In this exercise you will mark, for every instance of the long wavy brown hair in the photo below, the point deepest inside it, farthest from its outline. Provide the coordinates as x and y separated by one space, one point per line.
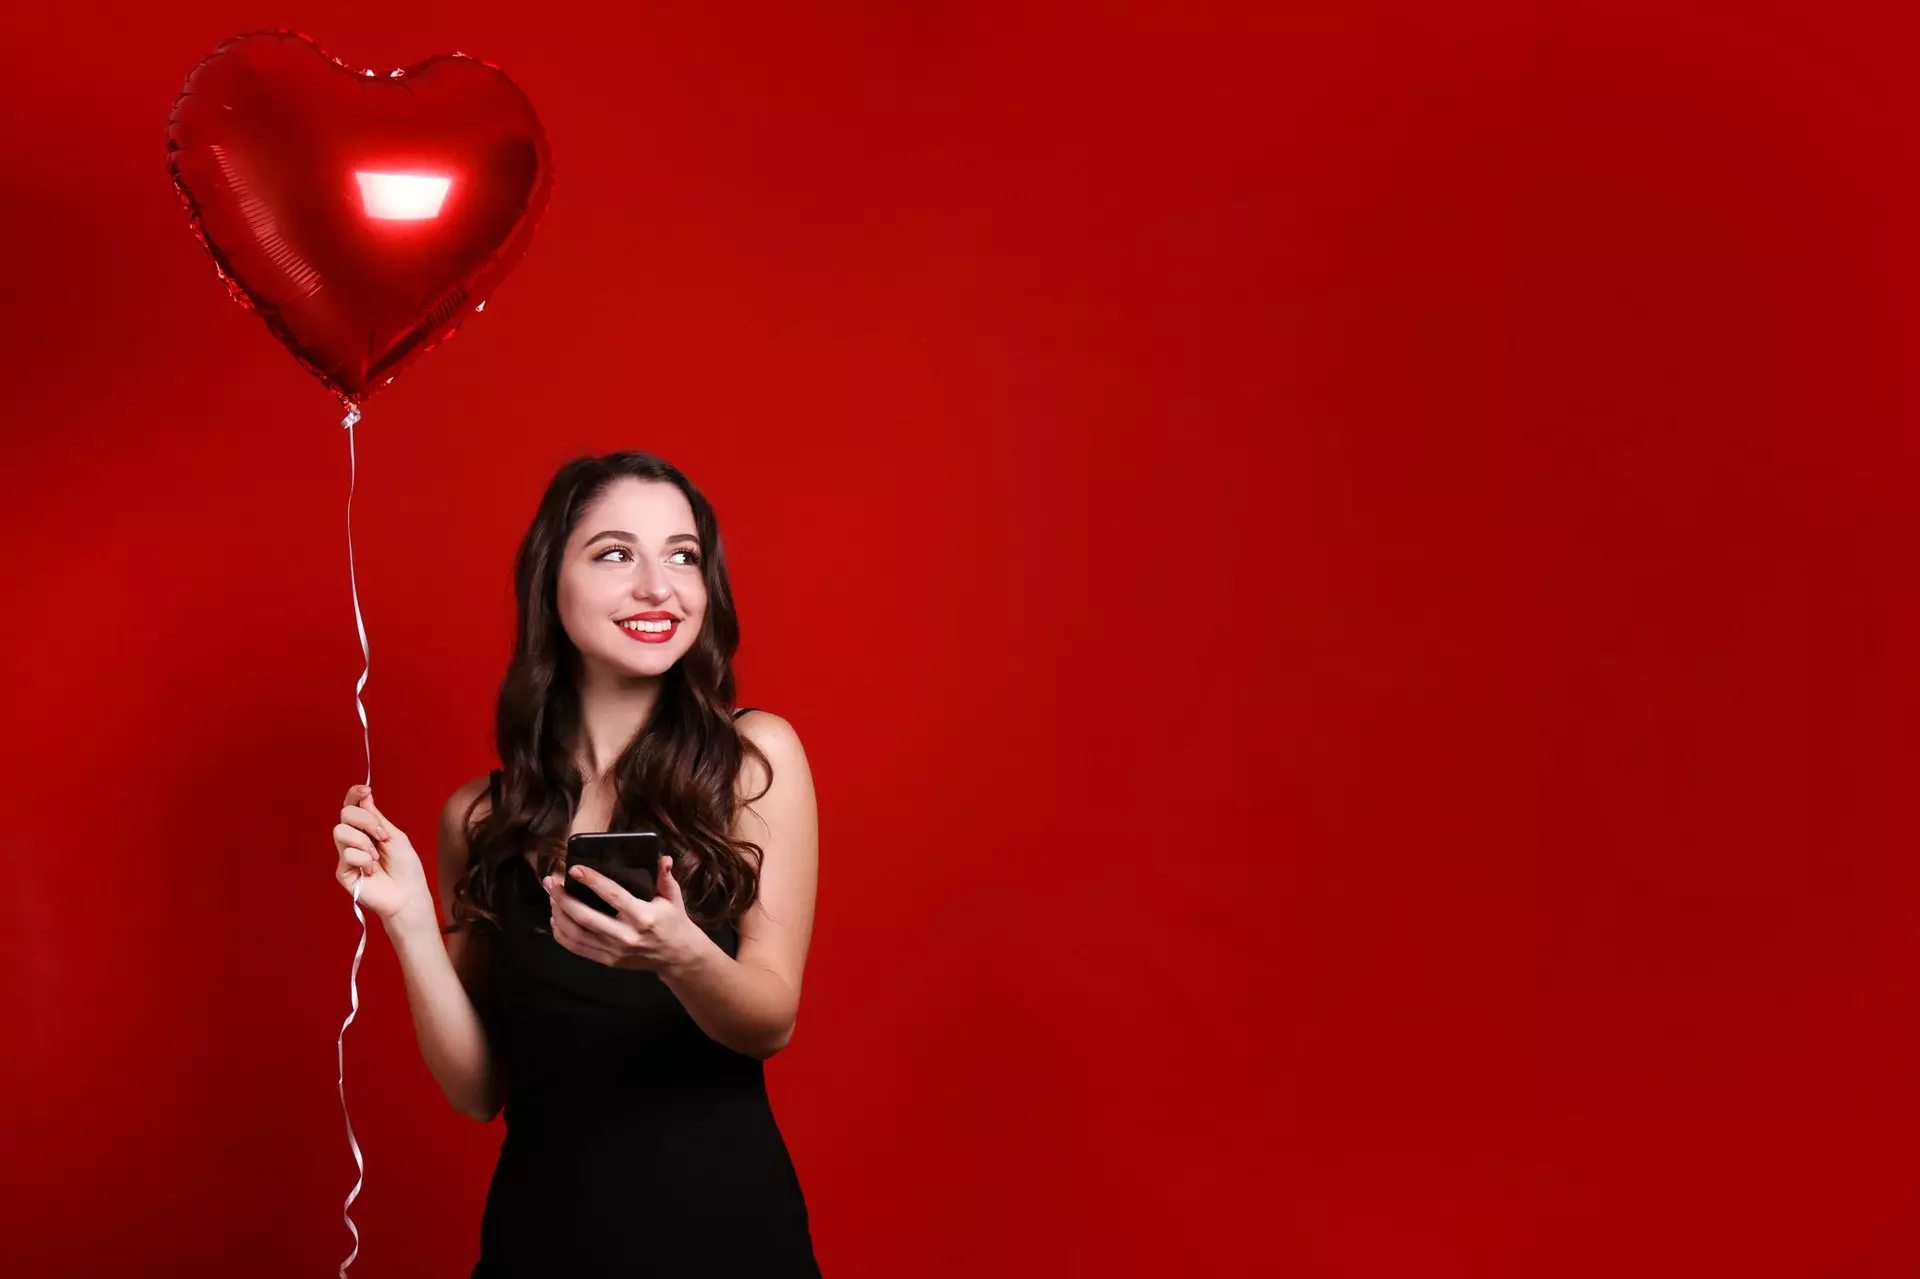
678 774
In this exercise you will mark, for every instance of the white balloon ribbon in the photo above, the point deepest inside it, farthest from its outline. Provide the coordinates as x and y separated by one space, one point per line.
353 978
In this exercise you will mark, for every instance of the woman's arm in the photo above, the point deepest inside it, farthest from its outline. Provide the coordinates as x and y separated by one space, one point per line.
444 975
750 1003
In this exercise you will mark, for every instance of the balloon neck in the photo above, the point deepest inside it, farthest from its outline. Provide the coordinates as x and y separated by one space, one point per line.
353 415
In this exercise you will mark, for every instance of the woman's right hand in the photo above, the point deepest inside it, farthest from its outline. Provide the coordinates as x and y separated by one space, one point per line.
377 855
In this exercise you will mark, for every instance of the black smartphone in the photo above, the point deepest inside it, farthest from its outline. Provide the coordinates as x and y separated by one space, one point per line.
630 859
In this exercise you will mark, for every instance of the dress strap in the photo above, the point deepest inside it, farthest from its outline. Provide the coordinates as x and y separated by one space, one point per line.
743 710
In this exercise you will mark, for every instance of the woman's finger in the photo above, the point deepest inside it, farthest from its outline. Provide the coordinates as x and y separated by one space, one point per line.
566 933
561 923
577 939
386 827
361 819
345 837
610 929
367 820
666 888
586 949
605 889
355 857
355 793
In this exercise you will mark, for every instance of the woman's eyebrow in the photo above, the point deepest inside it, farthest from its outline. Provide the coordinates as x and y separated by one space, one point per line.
621 535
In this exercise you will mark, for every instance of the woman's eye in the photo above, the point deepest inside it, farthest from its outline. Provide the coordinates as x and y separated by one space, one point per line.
690 557
618 550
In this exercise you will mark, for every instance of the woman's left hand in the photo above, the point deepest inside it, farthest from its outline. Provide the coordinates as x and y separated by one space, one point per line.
650 936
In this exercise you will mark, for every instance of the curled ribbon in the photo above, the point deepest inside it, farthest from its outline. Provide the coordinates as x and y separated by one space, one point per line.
353 978
359 1164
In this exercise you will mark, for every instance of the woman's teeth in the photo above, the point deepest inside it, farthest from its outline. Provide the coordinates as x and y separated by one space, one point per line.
649 626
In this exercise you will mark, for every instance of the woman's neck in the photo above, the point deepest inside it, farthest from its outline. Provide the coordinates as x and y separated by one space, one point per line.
613 709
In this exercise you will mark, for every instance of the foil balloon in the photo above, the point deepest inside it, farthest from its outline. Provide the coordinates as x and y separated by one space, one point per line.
363 215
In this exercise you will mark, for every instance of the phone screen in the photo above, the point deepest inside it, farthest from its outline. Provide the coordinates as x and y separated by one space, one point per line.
629 858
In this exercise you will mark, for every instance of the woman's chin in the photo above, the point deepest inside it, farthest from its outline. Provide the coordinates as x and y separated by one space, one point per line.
640 665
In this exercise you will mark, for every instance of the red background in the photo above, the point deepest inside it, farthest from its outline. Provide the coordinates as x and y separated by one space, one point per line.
1347 574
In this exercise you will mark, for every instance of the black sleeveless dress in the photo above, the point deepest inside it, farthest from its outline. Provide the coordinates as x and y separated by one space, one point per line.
635 1146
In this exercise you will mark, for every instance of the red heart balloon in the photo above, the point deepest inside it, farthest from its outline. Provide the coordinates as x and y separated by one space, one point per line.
363 215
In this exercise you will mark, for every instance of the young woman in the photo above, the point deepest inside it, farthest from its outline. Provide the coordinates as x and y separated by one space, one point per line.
627 1049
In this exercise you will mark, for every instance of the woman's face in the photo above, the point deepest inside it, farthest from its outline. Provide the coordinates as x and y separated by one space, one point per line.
631 595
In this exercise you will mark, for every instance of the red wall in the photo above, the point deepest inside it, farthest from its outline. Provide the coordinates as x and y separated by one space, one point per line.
1348 576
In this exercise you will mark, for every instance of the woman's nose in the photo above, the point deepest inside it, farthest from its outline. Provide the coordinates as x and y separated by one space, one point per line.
650 584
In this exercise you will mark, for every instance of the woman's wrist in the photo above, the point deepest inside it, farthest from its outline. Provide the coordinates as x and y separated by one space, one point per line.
697 954
411 925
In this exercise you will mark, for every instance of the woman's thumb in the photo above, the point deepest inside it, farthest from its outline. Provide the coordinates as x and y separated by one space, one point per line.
665 884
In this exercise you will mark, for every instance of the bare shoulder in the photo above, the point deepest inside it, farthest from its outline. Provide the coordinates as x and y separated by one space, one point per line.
781 817
468 804
769 732
463 810
779 743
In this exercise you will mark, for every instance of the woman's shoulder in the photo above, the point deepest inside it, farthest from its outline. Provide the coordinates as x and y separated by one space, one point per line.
470 802
778 744
771 733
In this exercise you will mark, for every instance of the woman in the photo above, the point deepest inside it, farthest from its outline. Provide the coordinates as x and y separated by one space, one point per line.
627 1049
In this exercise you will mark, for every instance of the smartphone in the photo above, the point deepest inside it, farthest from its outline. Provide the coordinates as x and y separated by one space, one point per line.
630 859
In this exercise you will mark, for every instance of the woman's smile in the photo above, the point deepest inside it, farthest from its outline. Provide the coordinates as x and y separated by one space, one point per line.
650 628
